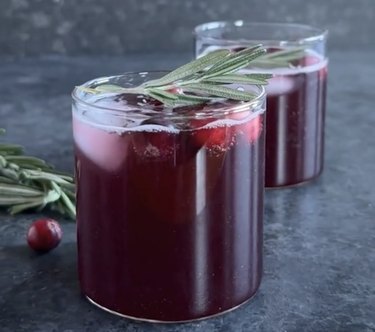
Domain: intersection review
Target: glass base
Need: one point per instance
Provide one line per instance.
(295, 185)
(139, 319)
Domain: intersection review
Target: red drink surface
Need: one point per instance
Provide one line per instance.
(295, 124)
(170, 223)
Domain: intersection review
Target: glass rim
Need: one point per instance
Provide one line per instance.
(313, 34)
(236, 107)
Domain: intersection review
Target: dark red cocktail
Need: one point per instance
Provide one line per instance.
(296, 95)
(169, 210)
(295, 123)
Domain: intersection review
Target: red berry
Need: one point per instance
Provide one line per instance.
(219, 138)
(44, 235)
(155, 144)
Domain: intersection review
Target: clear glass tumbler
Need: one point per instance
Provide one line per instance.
(169, 202)
(296, 95)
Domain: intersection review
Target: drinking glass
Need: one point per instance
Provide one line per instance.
(169, 202)
(296, 95)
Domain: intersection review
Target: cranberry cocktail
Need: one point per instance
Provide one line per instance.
(295, 122)
(169, 203)
(296, 95)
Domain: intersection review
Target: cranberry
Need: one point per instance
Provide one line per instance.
(217, 138)
(44, 235)
(156, 145)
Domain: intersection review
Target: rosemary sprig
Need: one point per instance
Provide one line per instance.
(279, 58)
(30, 183)
(205, 79)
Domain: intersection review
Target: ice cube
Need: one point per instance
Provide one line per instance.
(105, 148)
(109, 120)
(280, 85)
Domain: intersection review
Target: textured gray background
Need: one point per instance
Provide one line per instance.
(116, 27)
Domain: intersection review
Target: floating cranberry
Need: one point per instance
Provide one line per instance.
(44, 235)
(218, 138)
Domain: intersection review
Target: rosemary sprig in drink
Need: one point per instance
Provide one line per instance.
(279, 58)
(30, 183)
(202, 80)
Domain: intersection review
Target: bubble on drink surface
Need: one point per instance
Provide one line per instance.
(159, 124)
(154, 128)
(232, 119)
